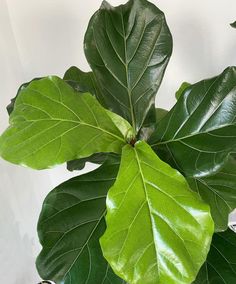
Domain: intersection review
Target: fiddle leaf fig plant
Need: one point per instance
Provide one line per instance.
(156, 210)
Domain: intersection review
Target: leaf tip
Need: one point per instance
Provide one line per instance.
(233, 25)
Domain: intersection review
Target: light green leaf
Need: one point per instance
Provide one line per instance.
(86, 82)
(83, 82)
(123, 125)
(69, 228)
(219, 191)
(220, 266)
(158, 230)
(52, 124)
(128, 48)
(199, 132)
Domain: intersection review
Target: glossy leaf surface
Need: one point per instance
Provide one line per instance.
(200, 130)
(219, 191)
(181, 89)
(69, 228)
(220, 267)
(128, 48)
(158, 230)
(151, 122)
(52, 124)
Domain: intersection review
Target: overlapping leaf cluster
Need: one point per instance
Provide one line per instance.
(145, 215)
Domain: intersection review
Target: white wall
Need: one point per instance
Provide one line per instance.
(45, 37)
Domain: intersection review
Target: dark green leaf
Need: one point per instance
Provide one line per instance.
(128, 48)
(160, 114)
(233, 25)
(219, 191)
(220, 267)
(158, 230)
(69, 228)
(200, 130)
(148, 126)
(83, 82)
(181, 89)
(98, 158)
(10, 107)
(51, 124)
(152, 120)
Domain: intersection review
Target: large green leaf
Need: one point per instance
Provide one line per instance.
(82, 82)
(51, 123)
(158, 230)
(220, 267)
(200, 130)
(69, 228)
(219, 191)
(128, 48)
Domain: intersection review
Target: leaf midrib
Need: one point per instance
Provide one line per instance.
(126, 62)
(71, 206)
(149, 206)
(191, 135)
(67, 120)
(127, 77)
(78, 123)
(86, 243)
(188, 118)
